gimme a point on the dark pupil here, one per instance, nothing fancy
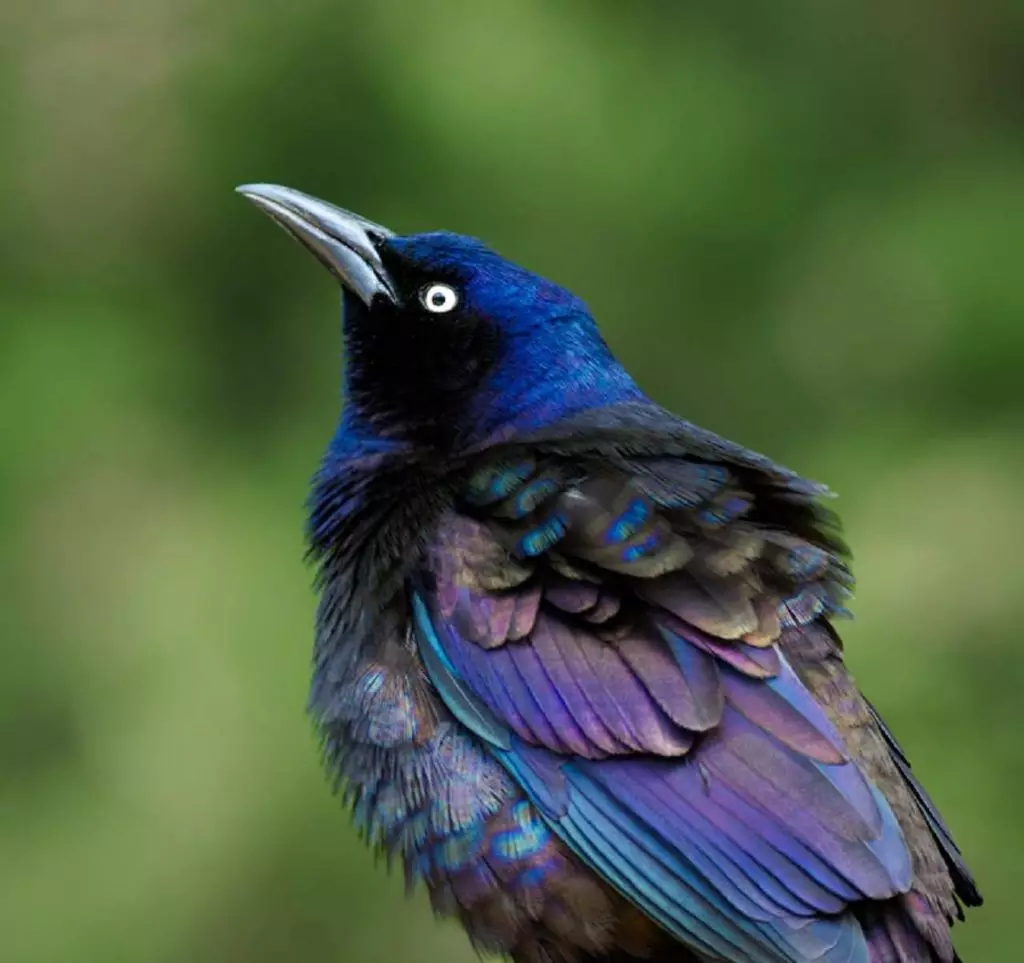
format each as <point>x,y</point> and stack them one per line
<point>438,299</point>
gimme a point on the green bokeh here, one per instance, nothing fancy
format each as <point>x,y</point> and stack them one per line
<point>801,225</point>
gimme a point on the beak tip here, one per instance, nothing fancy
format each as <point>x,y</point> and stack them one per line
<point>344,242</point>
<point>255,191</point>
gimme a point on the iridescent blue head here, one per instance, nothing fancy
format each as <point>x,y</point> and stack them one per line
<point>448,344</point>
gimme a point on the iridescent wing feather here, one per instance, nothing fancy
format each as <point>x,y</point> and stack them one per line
<point>624,619</point>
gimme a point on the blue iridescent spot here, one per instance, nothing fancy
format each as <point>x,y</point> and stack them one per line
<point>736,505</point>
<point>806,561</point>
<point>527,838</point>
<point>646,545</point>
<point>717,515</point>
<point>532,877</point>
<point>532,495</point>
<point>803,607</point>
<point>412,835</point>
<point>629,522</point>
<point>493,484</point>
<point>458,850</point>
<point>539,540</point>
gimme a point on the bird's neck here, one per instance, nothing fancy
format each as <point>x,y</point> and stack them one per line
<point>546,381</point>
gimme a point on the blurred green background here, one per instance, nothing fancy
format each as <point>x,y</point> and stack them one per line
<point>800,224</point>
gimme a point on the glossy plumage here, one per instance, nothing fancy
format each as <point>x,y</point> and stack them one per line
<point>575,663</point>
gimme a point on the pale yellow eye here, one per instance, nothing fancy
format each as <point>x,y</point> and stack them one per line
<point>439,298</point>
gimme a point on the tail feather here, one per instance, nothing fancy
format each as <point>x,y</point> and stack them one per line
<point>905,930</point>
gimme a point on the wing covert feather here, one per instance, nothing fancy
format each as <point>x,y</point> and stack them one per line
<point>614,629</point>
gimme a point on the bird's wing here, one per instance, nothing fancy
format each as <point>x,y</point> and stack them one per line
<point>607,616</point>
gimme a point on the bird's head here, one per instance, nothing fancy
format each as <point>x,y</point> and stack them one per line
<point>447,343</point>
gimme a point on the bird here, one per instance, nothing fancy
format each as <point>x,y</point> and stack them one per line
<point>576,666</point>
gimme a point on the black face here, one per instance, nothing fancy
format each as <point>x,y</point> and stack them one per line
<point>434,321</point>
<point>413,367</point>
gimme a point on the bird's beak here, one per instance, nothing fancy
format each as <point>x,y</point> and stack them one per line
<point>346,244</point>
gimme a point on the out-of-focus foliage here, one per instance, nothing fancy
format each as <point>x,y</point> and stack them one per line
<point>799,224</point>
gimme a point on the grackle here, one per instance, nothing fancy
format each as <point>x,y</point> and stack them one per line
<point>575,664</point>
